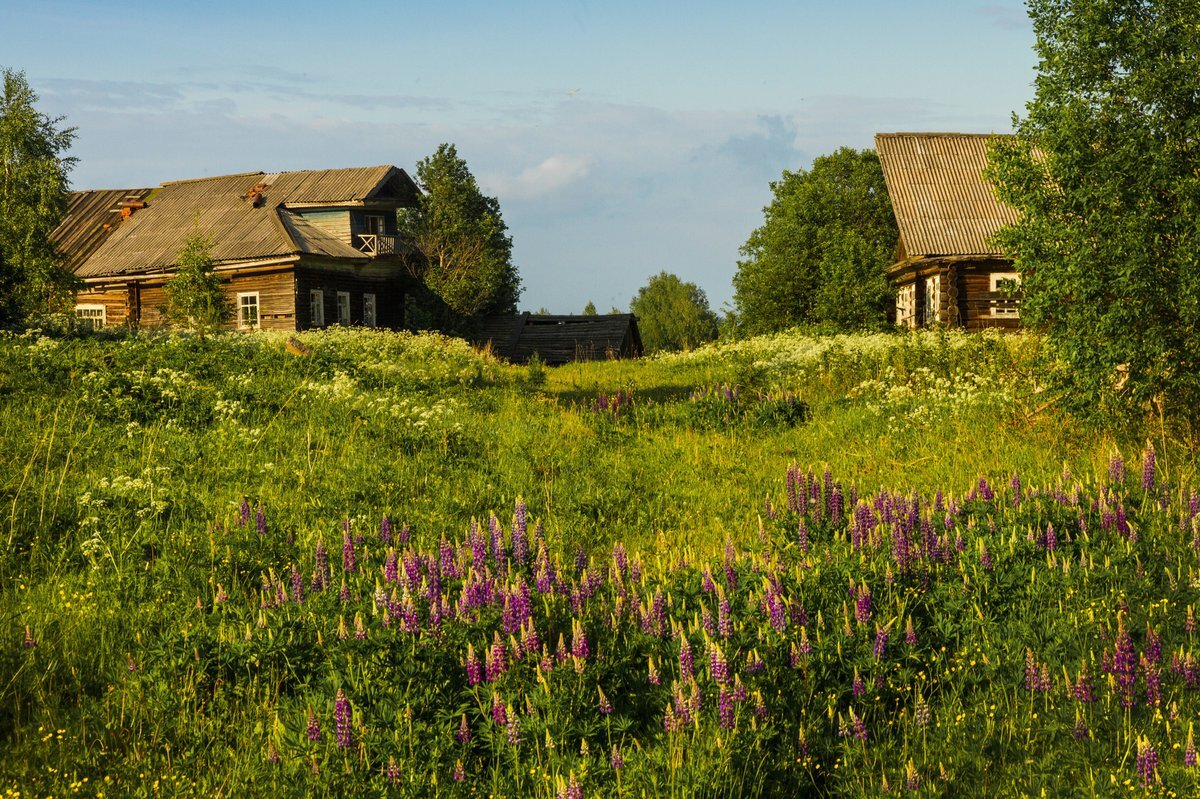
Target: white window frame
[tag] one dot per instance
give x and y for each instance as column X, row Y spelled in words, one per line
column 343, row 303
column 1010, row 309
column 242, row 306
column 316, row 307
column 906, row 305
column 374, row 225
column 90, row 308
column 931, row 311
column 370, row 308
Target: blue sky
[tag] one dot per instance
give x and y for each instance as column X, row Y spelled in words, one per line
column 621, row 138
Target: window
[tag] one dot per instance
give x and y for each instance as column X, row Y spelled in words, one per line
column 90, row 317
column 316, row 307
column 247, row 310
column 369, row 310
column 343, row 299
column 932, row 311
column 1005, row 301
column 906, row 305
column 374, row 225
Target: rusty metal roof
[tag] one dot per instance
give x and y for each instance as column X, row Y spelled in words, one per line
column 240, row 226
column 942, row 203
column 91, row 217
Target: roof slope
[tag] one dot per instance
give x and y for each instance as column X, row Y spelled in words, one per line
column 943, row 205
column 91, row 217
column 561, row 339
column 240, row 229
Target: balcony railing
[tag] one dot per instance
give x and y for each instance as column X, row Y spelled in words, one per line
column 376, row 244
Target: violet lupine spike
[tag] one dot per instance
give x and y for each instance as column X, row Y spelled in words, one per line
column 724, row 617
column 460, row 773
column 725, row 708
column 314, row 727
column 499, row 713
column 606, row 707
column 802, row 537
column 463, row 736
column 1124, row 664
column 496, row 532
column 1051, row 538
column 349, row 558
column 1189, row 751
column 385, row 531
column 1147, row 761
column 881, row 638
column 520, row 538
column 615, row 761
column 686, row 660
column 1148, row 466
column 862, row 605
column 1081, row 730
column 1116, row 470
column 244, row 512
column 30, row 642
column 1153, row 645
column 513, row 727
column 321, row 568
column 260, row 519
column 341, row 719
column 297, row 585
column 391, row 569
column 579, row 641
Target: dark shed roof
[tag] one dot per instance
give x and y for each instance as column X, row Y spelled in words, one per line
column 91, row 218
column 561, row 339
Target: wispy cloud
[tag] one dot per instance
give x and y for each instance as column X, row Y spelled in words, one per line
column 1005, row 17
column 551, row 175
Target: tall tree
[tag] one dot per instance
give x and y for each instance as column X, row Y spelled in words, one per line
column 672, row 314
column 466, row 252
column 1105, row 170
column 195, row 300
column 819, row 256
column 33, row 201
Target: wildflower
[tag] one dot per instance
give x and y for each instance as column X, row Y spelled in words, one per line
column 349, row 561
column 392, row 774
column 910, row 633
column 605, row 706
column 1148, row 461
column 463, row 736
column 1147, row 761
column 718, row 667
column 802, row 537
column 513, row 727
column 341, row 719
column 859, row 728
column 30, row 642
column 344, row 592
column 272, row 752
column 499, row 713
column 881, row 637
column 221, row 595
column 1051, row 538
column 1189, row 623
column 1189, row 751
column 1081, row 730
column 520, row 541
column 1116, row 470
column 1153, row 645
column 912, row 780
column 686, row 663
column 985, row 557
column 314, row 726
column 725, row 708
column 616, row 761
column 1124, row 664
column 244, row 513
column 923, row 714
column 459, row 773
column 724, row 620
column 579, row 641
column 474, row 669
column 297, row 585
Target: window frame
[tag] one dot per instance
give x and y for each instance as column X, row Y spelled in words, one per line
column 368, row 225
column 257, row 325
column 371, row 319
column 931, row 312
column 92, row 306
column 906, row 305
column 316, row 307
column 343, row 295
column 1011, row 309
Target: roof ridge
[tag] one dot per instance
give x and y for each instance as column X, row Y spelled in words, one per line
column 945, row 134
column 212, row 177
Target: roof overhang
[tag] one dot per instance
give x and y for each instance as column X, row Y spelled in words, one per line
column 241, row 267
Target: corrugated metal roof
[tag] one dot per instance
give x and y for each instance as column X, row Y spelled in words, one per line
column 91, row 217
column 942, row 203
column 239, row 230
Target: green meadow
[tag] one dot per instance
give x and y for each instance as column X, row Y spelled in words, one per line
column 399, row 567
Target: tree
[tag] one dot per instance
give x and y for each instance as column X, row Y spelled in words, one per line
column 673, row 314
column 466, row 252
column 1105, row 172
column 195, row 299
column 33, row 201
column 590, row 309
column 820, row 254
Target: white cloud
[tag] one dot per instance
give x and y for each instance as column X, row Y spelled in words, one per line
column 551, row 175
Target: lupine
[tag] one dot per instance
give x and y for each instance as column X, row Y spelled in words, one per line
column 341, row 719
column 1147, row 761
column 1051, row 538
column 474, row 669
column 244, row 513
column 862, row 605
column 724, row 616
column 725, row 709
column 1124, row 664
column 349, row 559
column 463, row 736
column 606, row 707
column 520, row 541
column 1189, row 751
column 615, row 760
column 579, row 641
column 1116, row 470
column 314, row 727
column 1148, row 462
column 910, row 632
column 260, row 519
column 499, row 713
column 30, row 642
column 881, row 637
column 513, row 728
column 686, row 663
column 912, row 779
column 718, row 667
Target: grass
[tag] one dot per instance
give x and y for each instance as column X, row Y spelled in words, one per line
column 169, row 657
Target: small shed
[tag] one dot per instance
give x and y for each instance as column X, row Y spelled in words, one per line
column 561, row 339
column 947, row 271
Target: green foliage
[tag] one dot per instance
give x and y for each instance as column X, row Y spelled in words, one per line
column 590, row 309
column 1105, row 170
column 194, row 297
column 33, row 201
column 465, row 247
column 818, row 258
column 672, row 314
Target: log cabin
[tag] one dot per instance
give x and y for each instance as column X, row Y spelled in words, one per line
column 295, row 250
column 559, row 339
column 947, row 271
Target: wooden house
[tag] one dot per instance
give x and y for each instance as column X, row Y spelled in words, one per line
column 295, row 250
column 946, row 271
column 561, row 339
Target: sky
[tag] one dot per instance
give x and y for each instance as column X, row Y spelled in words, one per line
column 622, row 139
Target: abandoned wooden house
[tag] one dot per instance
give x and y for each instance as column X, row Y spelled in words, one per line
column 561, row 339
column 296, row 250
column 946, row 270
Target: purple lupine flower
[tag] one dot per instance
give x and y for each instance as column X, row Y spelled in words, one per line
column 985, row 557
column 297, row 585
column 30, row 642
column 341, row 719
column 725, row 709
column 520, row 539
column 652, row 675
column 1081, row 729
column 686, row 661
column 349, row 560
column 1014, row 487
column 392, row 772
column 385, row 531
column 775, row 612
column 858, row 687
column 314, row 727
column 1051, row 538
column 579, row 641
column 321, row 568
column 912, row 778
column 605, row 706
column 802, row 537
column 1124, row 664
column 881, row 638
column 1189, row 751
column 836, row 506
column 1189, row 622
column 513, row 727
column 1153, row 679
column 718, row 667
column 862, row 605
column 1153, row 646
column 1083, row 689
column 616, row 761
column 1116, row 470
column 344, row 592
column 221, row 597
column 805, row 647
column 574, row 789
column 497, row 659
column 244, row 513
column 272, row 752
column 859, row 728
column 260, row 519
column 923, row 714
column 1148, row 462
column 910, row 633
column 391, row 568
column 499, row 553
column 463, row 736
column 499, row 713
column 1147, row 761
column 724, row 617
column 474, row 668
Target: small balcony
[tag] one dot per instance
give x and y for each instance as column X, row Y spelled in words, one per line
column 377, row 244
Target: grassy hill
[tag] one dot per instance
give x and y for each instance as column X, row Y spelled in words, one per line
column 400, row 567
